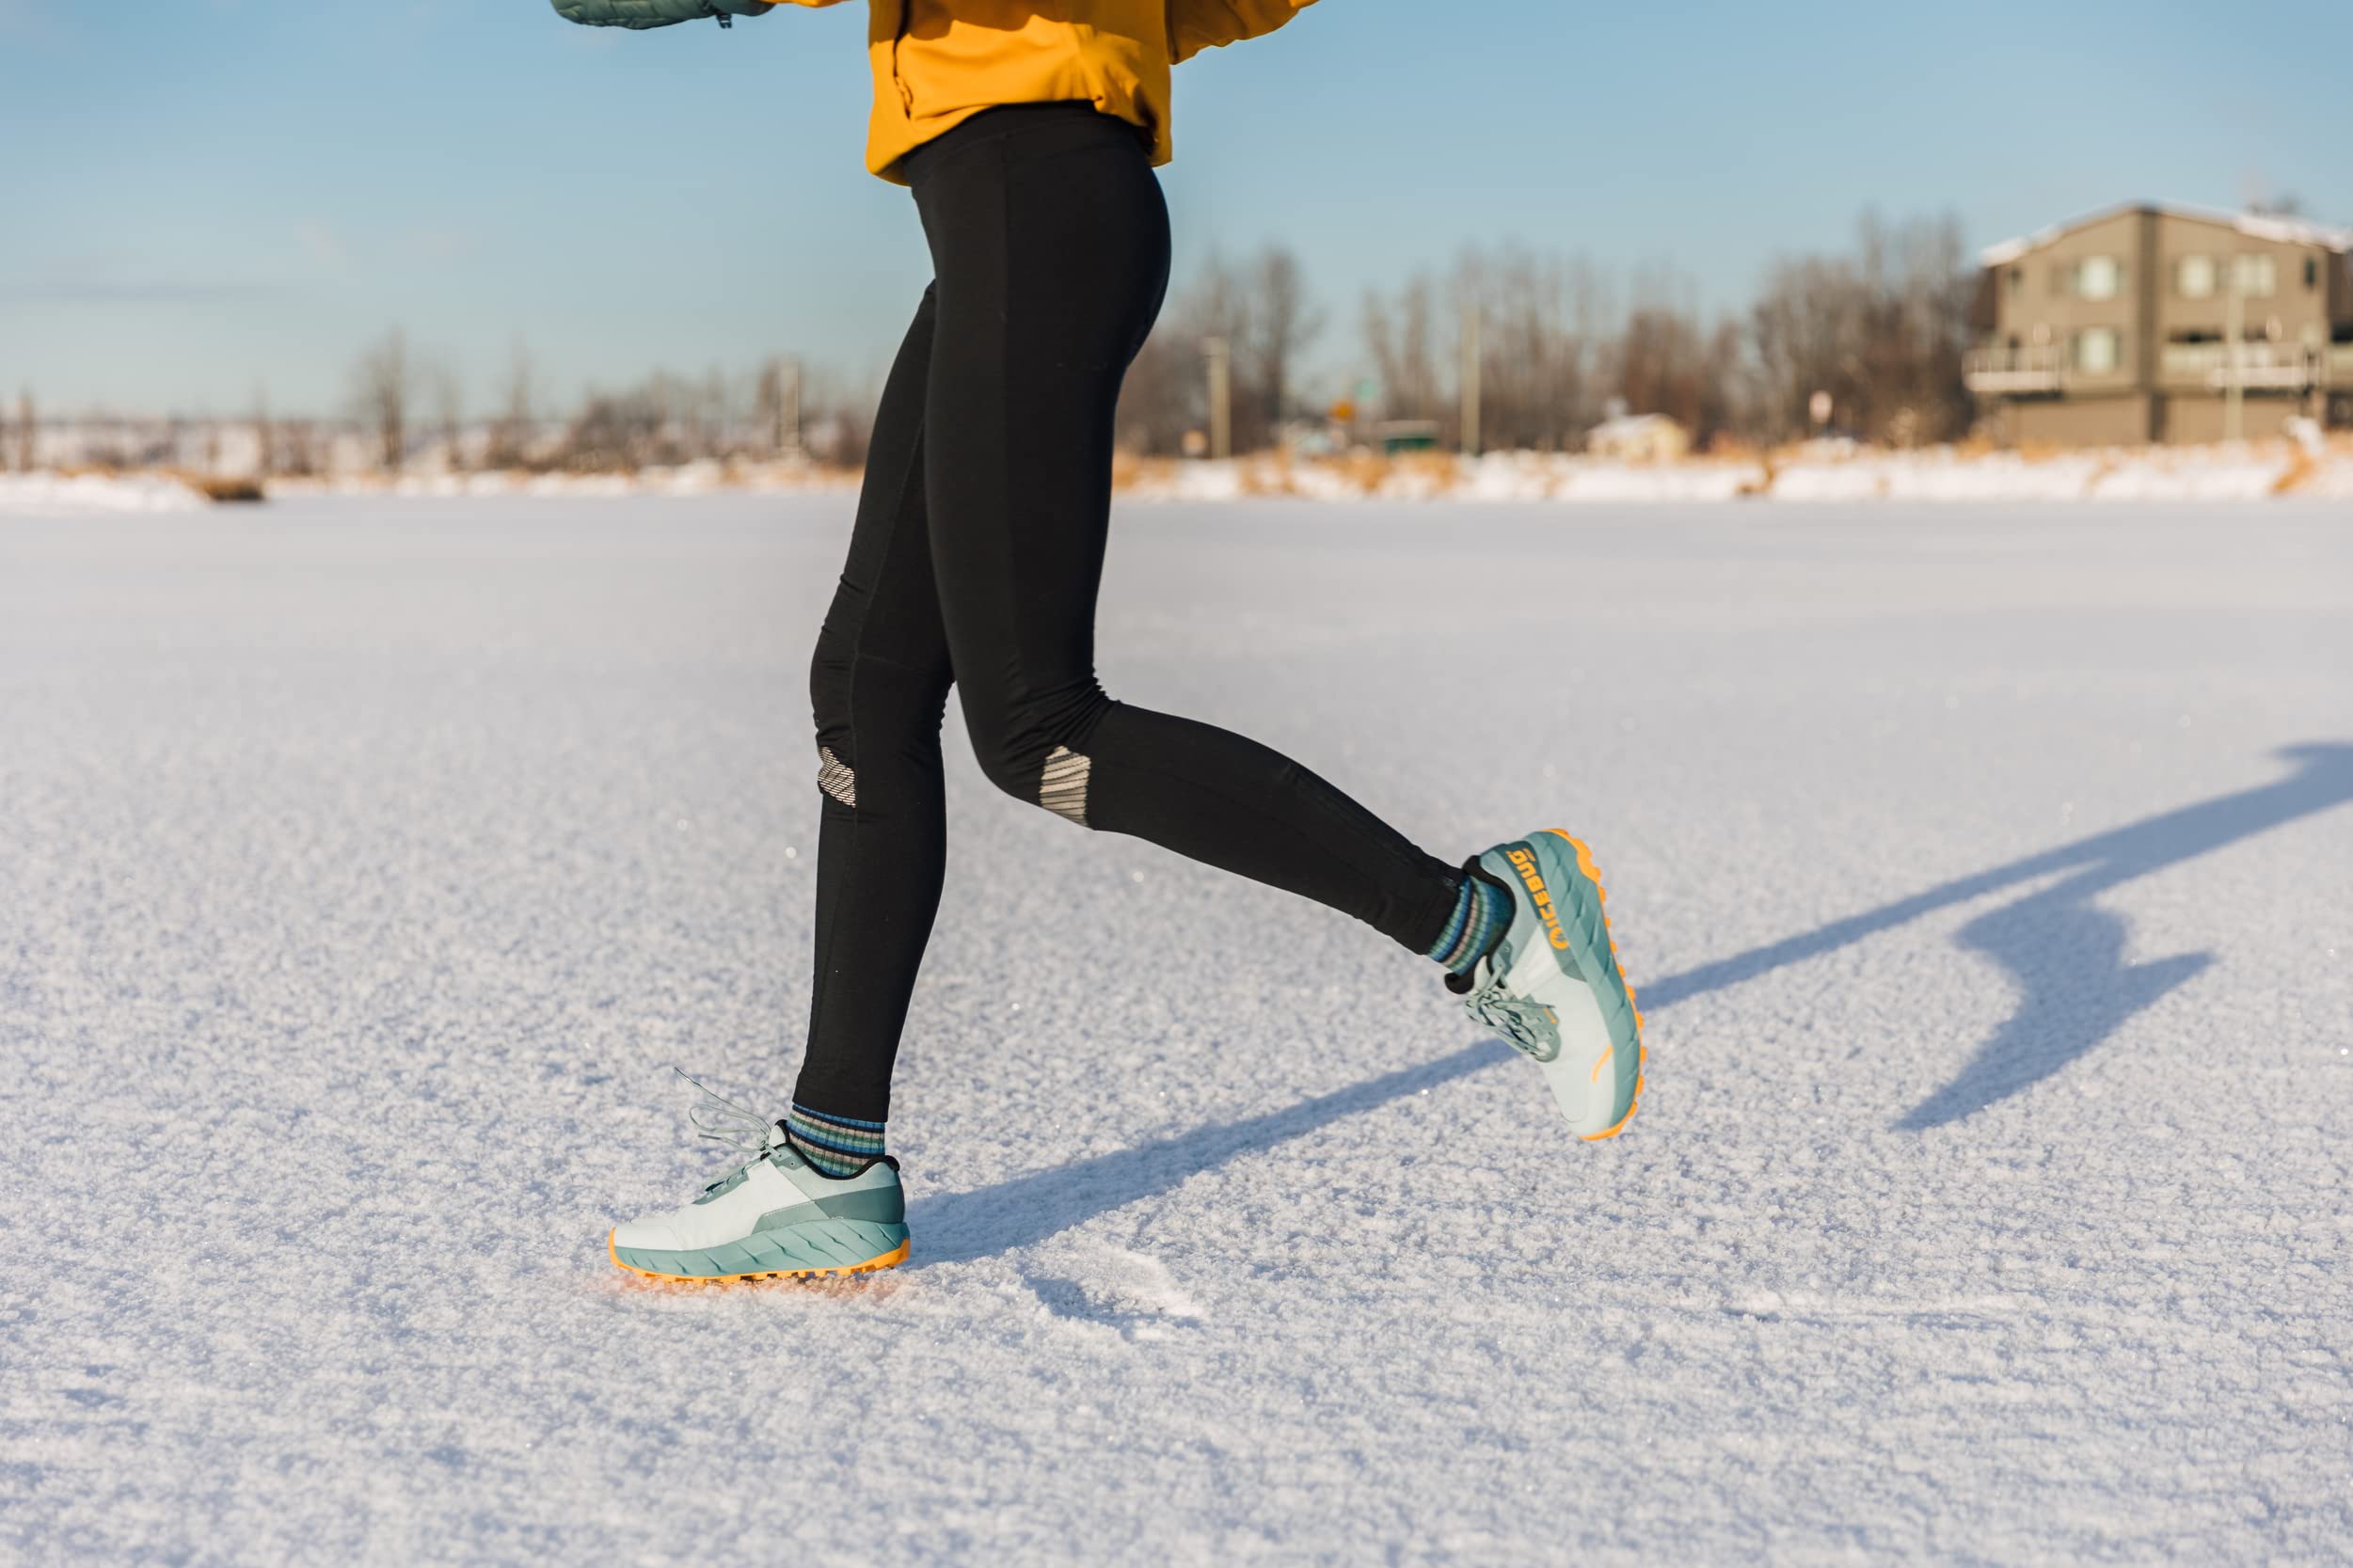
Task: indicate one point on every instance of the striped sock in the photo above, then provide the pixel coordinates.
(1481, 910)
(836, 1146)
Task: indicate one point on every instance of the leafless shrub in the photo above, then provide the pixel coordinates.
(380, 393)
(1883, 331)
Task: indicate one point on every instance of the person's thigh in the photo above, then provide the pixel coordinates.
(1050, 247)
(885, 607)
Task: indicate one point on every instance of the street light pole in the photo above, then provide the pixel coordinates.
(788, 407)
(1470, 380)
(1220, 397)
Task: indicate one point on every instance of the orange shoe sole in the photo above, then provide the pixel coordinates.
(890, 1260)
(1593, 871)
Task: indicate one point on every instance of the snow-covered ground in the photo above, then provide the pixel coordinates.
(56, 495)
(1813, 473)
(685, 479)
(2313, 469)
(364, 865)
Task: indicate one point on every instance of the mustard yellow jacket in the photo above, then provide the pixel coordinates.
(939, 62)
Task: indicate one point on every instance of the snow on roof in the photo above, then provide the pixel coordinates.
(2260, 226)
(1631, 424)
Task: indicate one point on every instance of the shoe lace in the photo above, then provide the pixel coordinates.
(723, 1120)
(1530, 1026)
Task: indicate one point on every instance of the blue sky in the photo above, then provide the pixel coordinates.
(197, 196)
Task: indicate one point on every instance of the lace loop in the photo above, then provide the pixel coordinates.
(1530, 1026)
(722, 1121)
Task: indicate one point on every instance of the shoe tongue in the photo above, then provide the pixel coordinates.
(779, 1148)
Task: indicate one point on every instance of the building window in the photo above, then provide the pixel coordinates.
(2017, 281)
(2097, 278)
(2256, 277)
(2193, 277)
(2312, 272)
(2097, 349)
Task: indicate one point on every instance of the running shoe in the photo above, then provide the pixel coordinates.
(774, 1214)
(1551, 985)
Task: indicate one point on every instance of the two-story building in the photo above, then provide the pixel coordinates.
(2165, 324)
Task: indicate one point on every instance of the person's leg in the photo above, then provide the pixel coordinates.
(877, 684)
(1050, 246)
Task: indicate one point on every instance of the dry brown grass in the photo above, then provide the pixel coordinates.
(1364, 471)
(214, 487)
(1281, 473)
(1267, 475)
(1441, 468)
(2300, 468)
(1129, 470)
(211, 486)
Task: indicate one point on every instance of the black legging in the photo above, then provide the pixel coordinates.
(976, 559)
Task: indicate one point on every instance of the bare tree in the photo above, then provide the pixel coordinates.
(1661, 359)
(448, 407)
(667, 418)
(1275, 328)
(1540, 347)
(1163, 395)
(1882, 332)
(265, 452)
(1732, 398)
(1807, 324)
(1264, 311)
(1661, 364)
(616, 430)
(838, 412)
(1218, 305)
(298, 458)
(381, 392)
(510, 436)
(1400, 338)
(709, 416)
(1922, 283)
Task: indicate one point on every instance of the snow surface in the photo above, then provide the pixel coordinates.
(364, 865)
(2308, 466)
(686, 479)
(1813, 473)
(56, 495)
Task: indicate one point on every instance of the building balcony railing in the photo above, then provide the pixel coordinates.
(2015, 370)
(2181, 366)
(2256, 366)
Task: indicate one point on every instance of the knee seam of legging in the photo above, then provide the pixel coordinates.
(1049, 763)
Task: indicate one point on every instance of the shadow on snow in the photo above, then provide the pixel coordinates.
(2065, 956)
(1029, 1208)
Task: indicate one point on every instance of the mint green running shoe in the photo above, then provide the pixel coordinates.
(1551, 985)
(773, 1215)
